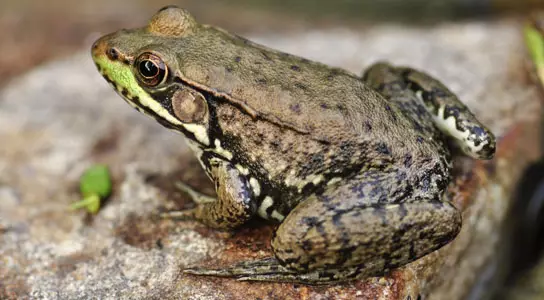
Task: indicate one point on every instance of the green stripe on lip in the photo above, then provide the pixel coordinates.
(121, 76)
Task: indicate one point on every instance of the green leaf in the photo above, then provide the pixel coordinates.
(96, 180)
(94, 185)
(534, 39)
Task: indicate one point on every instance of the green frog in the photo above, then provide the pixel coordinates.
(352, 168)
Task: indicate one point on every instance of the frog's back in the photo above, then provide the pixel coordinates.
(307, 96)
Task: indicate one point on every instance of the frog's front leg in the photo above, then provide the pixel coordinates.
(233, 206)
(363, 227)
(449, 114)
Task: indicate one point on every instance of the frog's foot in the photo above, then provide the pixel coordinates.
(449, 114)
(269, 269)
(232, 207)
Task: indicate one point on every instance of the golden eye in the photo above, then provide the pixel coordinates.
(151, 69)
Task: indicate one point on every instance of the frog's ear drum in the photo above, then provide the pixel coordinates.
(189, 106)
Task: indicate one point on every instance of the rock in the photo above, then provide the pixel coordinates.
(63, 117)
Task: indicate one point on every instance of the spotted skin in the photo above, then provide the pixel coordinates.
(353, 169)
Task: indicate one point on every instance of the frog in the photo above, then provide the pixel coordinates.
(352, 169)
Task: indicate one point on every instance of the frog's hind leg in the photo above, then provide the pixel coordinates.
(450, 115)
(363, 227)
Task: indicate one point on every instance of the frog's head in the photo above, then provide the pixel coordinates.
(140, 66)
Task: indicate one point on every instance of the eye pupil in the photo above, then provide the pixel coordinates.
(148, 68)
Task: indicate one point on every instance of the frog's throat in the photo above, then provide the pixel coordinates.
(123, 81)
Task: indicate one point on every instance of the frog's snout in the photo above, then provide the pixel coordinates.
(99, 48)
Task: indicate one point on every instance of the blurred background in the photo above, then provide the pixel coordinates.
(34, 31)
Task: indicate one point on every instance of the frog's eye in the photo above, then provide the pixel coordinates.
(151, 69)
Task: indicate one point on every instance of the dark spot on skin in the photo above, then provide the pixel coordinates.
(126, 61)
(332, 74)
(310, 221)
(295, 68)
(261, 81)
(124, 92)
(228, 69)
(340, 107)
(308, 188)
(418, 126)
(381, 87)
(413, 254)
(425, 183)
(438, 93)
(324, 105)
(451, 111)
(237, 59)
(265, 55)
(275, 144)
(368, 126)
(295, 108)
(98, 67)
(383, 149)
(419, 139)
(159, 244)
(325, 198)
(479, 131)
(301, 86)
(336, 220)
(401, 176)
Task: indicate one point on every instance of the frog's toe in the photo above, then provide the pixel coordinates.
(269, 269)
(245, 269)
(196, 196)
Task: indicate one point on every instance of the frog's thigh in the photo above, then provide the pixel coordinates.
(319, 235)
(450, 115)
(234, 205)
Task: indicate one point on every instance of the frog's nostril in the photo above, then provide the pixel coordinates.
(112, 53)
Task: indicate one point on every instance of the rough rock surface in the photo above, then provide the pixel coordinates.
(63, 117)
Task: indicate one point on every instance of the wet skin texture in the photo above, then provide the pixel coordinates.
(353, 168)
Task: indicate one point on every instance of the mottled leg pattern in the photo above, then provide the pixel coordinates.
(350, 232)
(449, 114)
(232, 207)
